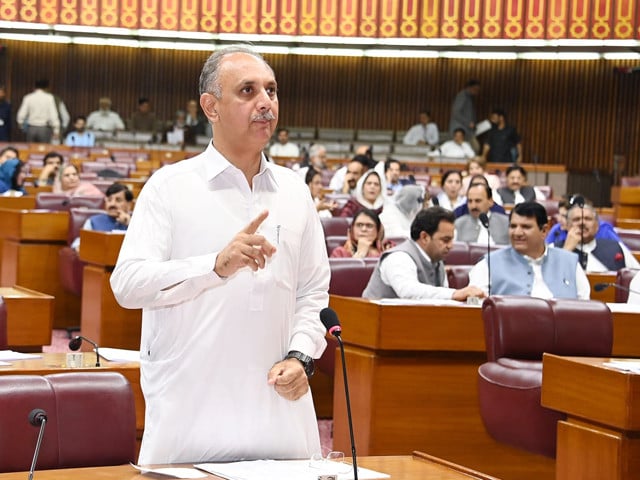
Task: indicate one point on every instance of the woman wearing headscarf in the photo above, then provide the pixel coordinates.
(365, 237)
(400, 211)
(369, 194)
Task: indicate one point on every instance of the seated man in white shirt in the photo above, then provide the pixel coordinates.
(456, 148)
(596, 254)
(414, 269)
(423, 133)
(529, 266)
(283, 147)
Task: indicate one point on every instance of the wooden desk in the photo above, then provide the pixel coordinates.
(607, 295)
(102, 319)
(601, 437)
(25, 202)
(31, 240)
(413, 383)
(29, 318)
(56, 363)
(626, 201)
(415, 467)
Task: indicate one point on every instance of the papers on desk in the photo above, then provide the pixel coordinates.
(172, 472)
(119, 354)
(425, 301)
(623, 307)
(631, 366)
(281, 470)
(10, 355)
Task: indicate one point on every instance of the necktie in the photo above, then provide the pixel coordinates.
(438, 282)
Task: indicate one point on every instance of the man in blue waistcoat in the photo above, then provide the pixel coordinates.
(118, 205)
(528, 266)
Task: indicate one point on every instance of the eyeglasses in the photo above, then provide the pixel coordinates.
(365, 226)
(333, 463)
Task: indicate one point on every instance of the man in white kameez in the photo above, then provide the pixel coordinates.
(225, 255)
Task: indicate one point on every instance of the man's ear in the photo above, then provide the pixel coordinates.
(209, 105)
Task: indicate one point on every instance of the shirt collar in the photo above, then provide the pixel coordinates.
(218, 164)
(540, 259)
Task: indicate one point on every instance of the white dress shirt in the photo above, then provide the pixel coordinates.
(594, 265)
(104, 121)
(399, 271)
(451, 149)
(287, 150)
(38, 109)
(208, 342)
(422, 133)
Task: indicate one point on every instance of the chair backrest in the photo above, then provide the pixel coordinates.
(77, 217)
(91, 420)
(524, 327)
(458, 255)
(458, 275)
(52, 201)
(623, 279)
(335, 225)
(631, 238)
(349, 276)
(479, 250)
(88, 201)
(333, 241)
(3, 324)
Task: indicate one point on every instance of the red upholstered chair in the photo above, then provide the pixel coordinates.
(458, 275)
(90, 420)
(479, 250)
(86, 201)
(3, 324)
(52, 201)
(631, 238)
(623, 278)
(518, 330)
(458, 255)
(333, 241)
(335, 225)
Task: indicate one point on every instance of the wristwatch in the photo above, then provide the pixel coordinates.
(306, 360)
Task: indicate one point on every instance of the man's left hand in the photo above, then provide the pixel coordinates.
(289, 379)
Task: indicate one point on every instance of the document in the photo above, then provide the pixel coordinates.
(174, 472)
(119, 354)
(284, 470)
(9, 355)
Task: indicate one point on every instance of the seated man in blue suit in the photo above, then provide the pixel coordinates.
(528, 266)
(118, 204)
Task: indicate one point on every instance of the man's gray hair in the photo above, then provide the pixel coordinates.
(209, 77)
(315, 149)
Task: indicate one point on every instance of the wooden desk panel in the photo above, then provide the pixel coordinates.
(413, 382)
(31, 243)
(102, 318)
(416, 467)
(26, 202)
(29, 318)
(608, 295)
(56, 363)
(601, 436)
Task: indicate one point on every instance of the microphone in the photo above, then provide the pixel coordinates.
(577, 200)
(484, 220)
(37, 418)
(74, 344)
(598, 287)
(434, 201)
(329, 319)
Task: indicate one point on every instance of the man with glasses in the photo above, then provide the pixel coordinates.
(414, 269)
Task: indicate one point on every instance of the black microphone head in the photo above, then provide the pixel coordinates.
(598, 287)
(577, 200)
(435, 201)
(329, 319)
(484, 219)
(36, 416)
(74, 343)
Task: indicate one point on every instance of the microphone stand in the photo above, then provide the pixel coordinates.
(346, 391)
(484, 219)
(37, 417)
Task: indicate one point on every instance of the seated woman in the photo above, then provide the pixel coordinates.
(313, 179)
(12, 178)
(451, 197)
(68, 182)
(364, 238)
(477, 166)
(369, 194)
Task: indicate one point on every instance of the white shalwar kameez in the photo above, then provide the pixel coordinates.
(208, 343)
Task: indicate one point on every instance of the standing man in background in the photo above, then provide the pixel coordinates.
(38, 115)
(225, 254)
(5, 116)
(463, 112)
(503, 142)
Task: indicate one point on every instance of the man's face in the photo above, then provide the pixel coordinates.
(525, 235)
(319, 161)
(458, 137)
(283, 137)
(438, 245)
(79, 125)
(116, 203)
(144, 107)
(424, 118)
(587, 222)
(515, 180)
(477, 200)
(54, 162)
(7, 155)
(354, 172)
(246, 114)
(393, 173)
(3, 94)
(104, 105)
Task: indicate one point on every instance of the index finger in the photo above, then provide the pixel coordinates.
(256, 222)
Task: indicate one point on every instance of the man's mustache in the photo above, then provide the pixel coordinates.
(264, 117)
